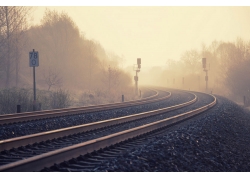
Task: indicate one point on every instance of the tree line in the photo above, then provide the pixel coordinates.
(67, 59)
(228, 65)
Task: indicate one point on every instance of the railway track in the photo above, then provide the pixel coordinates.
(48, 124)
(37, 115)
(93, 161)
(90, 137)
(6, 144)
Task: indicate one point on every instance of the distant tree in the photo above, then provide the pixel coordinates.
(79, 61)
(191, 60)
(13, 23)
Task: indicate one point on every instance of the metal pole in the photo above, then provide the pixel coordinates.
(136, 84)
(109, 79)
(90, 69)
(206, 80)
(34, 83)
(137, 69)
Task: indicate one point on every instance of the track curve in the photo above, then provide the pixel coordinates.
(149, 121)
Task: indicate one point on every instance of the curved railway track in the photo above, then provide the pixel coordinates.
(74, 141)
(29, 116)
(93, 162)
(48, 124)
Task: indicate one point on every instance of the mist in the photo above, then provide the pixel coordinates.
(90, 55)
(228, 65)
(69, 63)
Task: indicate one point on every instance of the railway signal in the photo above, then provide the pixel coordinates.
(206, 70)
(137, 70)
(109, 79)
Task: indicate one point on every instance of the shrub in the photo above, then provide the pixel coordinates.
(10, 98)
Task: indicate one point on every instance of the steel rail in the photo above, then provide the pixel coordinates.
(11, 118)
(7, 144)
(36, 163)
(75, 108)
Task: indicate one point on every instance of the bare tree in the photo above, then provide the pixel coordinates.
(191, 60)
(52, 78)
(13, 23)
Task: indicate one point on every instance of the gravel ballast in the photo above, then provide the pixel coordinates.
(37, 126)
(24, 152)
(218, 140)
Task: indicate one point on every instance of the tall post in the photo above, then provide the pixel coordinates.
(34, 83)
(34, 61)
(206, 81)
(109, 80)
(136, 84)
(137, 69)
(206, 70)
(90, 68)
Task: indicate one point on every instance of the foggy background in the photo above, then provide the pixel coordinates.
(87, 54)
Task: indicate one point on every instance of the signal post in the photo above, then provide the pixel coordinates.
(206, 70)
(137, 70)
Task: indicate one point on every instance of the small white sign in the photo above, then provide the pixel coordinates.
(34, 58)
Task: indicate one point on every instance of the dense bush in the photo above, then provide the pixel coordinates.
(59, 99)
(10, 98)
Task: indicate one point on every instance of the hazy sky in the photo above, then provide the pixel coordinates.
(156, 34)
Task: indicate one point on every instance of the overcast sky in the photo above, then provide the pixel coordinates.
(156, 34)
